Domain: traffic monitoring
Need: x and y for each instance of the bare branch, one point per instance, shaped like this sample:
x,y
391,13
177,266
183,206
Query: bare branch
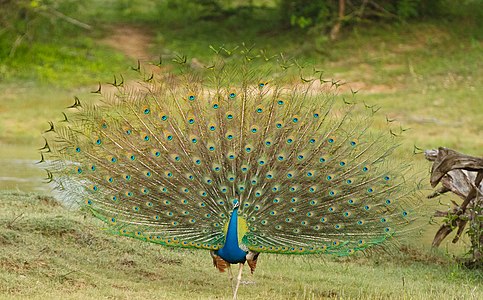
x,y
71,20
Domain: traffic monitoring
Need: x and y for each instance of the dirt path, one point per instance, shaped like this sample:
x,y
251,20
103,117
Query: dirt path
x,y
133,41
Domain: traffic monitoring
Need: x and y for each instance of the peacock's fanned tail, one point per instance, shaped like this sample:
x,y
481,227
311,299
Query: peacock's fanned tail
x,y
164,159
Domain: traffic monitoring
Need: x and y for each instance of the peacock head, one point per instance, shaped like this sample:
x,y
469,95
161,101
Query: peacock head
x,y
236,203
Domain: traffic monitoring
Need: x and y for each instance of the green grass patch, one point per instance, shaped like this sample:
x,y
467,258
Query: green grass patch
x,y
63,65
51,252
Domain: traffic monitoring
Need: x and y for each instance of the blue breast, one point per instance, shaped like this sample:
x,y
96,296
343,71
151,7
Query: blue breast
x,y
231,251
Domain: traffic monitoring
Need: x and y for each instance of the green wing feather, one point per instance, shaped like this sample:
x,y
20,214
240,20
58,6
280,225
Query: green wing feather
x,y
163,161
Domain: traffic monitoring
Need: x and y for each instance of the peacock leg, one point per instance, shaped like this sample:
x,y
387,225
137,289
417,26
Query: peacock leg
x,y
238,281
230,277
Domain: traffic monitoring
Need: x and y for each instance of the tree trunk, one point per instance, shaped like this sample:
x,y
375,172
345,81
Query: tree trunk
x,y
334,33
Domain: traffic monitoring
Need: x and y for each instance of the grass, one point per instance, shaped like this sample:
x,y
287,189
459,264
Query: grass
x,y
51,252
427,75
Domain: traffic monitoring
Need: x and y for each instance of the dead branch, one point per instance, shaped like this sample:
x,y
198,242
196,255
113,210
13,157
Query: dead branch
x,y
462,175
71,20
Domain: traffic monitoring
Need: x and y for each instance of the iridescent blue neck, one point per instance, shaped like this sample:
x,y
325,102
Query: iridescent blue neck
x,y
231,251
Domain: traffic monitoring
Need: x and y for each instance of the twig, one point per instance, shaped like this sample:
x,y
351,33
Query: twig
x,y
363,7
63,277
69,19
383,10
9,224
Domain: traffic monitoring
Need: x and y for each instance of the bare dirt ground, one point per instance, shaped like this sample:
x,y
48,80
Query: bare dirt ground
x,y
134,42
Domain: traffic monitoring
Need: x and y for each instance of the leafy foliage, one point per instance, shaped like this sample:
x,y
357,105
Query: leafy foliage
x,y
25,20
306,13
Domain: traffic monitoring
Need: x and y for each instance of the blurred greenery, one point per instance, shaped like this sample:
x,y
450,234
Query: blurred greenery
x,y
421,63
56,41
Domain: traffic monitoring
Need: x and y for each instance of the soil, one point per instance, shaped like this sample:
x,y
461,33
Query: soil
x,y
134,42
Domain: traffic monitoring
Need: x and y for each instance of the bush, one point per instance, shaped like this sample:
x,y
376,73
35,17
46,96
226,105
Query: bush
x,y
26,20
323,14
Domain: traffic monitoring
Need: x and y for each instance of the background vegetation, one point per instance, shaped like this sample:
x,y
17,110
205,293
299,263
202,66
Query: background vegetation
x,y
420,61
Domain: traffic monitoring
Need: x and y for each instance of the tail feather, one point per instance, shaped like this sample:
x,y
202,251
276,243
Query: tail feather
x,y
163,161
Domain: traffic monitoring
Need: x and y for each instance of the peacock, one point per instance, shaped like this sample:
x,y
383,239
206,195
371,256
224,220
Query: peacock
x,y
250,154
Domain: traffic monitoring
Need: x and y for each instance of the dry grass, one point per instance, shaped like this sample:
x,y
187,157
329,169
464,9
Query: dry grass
x,y
51,252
